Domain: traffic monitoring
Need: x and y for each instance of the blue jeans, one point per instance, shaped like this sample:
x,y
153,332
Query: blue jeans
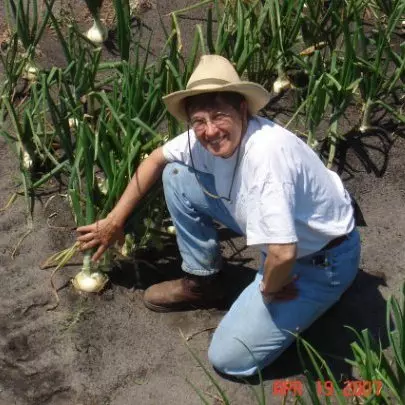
x,y
266,329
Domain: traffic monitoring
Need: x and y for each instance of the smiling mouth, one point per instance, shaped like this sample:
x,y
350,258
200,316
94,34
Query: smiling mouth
x,y
218,140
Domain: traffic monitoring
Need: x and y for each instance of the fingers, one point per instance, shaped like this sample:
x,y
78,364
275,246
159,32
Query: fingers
x,y
286,293
101,249
86,228
86,237
89,245
286,296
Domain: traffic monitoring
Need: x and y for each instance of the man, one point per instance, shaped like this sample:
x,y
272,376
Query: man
x,y
260,180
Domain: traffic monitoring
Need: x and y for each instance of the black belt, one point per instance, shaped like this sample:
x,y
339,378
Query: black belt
x,y
335,242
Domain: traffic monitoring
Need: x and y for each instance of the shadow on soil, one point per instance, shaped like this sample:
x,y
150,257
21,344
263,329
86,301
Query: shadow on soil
x,y
361,307
152,267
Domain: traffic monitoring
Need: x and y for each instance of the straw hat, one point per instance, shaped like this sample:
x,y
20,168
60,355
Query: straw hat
x,y
214,73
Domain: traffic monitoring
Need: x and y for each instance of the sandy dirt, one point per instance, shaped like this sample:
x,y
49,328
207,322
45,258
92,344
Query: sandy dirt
x,y
109,349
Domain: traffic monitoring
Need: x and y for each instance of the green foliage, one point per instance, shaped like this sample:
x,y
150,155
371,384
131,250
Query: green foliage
x,y
116,107
24,19
386,376
122,12
90,123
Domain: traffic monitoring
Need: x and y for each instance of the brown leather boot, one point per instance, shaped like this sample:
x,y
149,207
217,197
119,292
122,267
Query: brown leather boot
x,y
189,292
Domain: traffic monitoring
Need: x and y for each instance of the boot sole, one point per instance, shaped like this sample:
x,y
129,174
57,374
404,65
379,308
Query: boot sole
x,y
183,307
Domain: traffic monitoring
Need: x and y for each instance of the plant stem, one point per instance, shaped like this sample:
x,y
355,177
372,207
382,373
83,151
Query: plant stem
x,y
367,109
87,263
332,139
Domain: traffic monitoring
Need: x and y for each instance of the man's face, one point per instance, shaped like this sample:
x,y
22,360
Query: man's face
x,y
219,129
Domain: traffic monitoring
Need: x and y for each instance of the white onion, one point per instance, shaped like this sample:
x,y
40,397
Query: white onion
x,y
102,183
93,282
171,229
98,33
73,123
31,72
281,84
27,161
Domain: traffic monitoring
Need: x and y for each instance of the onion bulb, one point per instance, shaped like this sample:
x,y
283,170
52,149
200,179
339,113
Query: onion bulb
x,y
89,280
27,161
92,283
171,229
98,33
73,123
31,72
281,84
102,183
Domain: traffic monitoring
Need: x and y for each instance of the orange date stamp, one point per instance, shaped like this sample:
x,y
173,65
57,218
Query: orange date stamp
x,y
351,388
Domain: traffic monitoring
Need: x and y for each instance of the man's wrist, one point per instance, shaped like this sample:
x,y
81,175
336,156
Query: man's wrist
x,y
115,221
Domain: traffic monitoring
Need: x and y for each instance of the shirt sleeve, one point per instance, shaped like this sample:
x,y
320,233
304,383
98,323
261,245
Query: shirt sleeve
x,y
272,197
178,150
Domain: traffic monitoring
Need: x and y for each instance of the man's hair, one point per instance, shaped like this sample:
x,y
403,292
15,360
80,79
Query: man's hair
x,y
213,100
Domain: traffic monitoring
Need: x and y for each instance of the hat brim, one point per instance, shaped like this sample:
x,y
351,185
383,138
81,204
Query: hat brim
x,y
256,97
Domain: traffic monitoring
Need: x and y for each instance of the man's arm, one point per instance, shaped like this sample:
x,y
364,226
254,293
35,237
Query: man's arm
x,y
146,175
277,268
105,232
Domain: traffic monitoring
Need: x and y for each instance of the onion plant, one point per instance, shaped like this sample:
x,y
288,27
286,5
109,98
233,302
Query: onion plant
x,y
374,60
91,122
122,12
110,138
98,33
25,20
90,278
383,8
285,23
316,102
374,364
13,66
322,22
341,82
238,32
386,373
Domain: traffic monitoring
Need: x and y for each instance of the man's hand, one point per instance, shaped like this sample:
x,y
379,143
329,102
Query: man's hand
x,y
101,234
286,293
278,283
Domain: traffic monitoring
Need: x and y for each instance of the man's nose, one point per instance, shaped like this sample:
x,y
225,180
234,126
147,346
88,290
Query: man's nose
x,y
211,128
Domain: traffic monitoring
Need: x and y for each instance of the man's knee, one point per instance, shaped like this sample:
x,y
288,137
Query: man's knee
x,y
232,358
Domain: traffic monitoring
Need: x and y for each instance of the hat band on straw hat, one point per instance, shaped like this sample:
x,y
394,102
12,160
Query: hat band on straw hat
x,y
208,81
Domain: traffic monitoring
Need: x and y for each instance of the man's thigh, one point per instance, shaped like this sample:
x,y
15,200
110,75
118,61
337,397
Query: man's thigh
x,y
253,334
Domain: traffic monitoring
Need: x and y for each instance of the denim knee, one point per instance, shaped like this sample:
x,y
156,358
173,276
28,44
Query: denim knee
x,y
233,358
